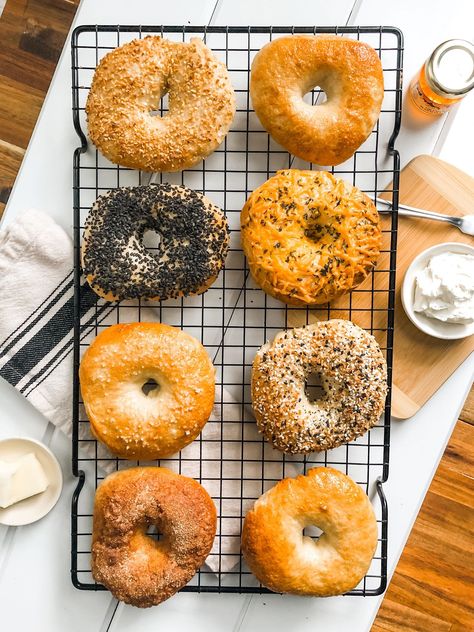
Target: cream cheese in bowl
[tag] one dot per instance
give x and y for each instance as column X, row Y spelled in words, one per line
column 437, row 292
column 444, row 288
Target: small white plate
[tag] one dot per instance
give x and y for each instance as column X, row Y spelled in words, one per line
column 31, row 509
column 432, row 326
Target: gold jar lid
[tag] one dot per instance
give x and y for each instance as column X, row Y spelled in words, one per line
column 450, row 69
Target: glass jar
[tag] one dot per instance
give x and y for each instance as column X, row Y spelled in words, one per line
column 445, row 78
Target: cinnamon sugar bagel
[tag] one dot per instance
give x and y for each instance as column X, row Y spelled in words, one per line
column 349, row 72
column 353, row 374
column 309, row 236
column 134, row 423
column 284, row 560
column 125, row 94
column 134, row 567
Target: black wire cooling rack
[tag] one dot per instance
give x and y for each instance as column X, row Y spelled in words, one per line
column 234, row 317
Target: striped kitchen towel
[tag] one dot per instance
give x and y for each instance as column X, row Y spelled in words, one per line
column 36, row 313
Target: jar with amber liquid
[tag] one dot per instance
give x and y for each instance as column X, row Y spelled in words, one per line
column 445, row 78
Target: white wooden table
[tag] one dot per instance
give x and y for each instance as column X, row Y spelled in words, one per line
column 35, row 588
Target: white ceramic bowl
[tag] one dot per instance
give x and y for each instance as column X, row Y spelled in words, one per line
column 31, row 509
column 432, row 326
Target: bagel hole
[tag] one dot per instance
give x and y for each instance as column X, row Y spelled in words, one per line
column 313, row 387
column 153, row 532
column 151, row 240
column 161, row 109
column 313, row 532
column 316, row 96
column 149, row 386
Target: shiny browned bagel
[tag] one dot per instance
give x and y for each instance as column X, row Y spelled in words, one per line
column 284, row 560
column 349, row 72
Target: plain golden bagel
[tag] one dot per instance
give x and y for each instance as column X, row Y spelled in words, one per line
column 353, row 374
column 125, row 93
column 134, row 423
column 309, row 236
column 284, row 560
column 135, row 568
column 349, row 72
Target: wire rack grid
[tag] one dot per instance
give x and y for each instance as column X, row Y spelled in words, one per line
column 234, row 317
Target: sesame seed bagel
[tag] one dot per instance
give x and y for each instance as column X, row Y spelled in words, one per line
column 349, row 72
column 284, row 560
column 192, row 250
column 135, row 424
column 125, row 94
column 309, row 236
column 353, row 375
column 134, row 567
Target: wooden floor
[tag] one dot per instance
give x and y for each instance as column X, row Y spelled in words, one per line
column 433, row 587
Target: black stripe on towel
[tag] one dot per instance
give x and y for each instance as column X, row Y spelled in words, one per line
column 44, row 341
column 56, row 360
column 23, row 329
column 35, row 311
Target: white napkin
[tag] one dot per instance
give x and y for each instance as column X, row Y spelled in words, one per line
column 36, row 339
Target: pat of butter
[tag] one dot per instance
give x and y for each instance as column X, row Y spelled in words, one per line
column 21, row 479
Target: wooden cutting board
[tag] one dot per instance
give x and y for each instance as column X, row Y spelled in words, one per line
column 421, row 363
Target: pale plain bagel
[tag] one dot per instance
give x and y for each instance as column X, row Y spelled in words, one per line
column 284, row 560
column 134, row 424
column 349, row 72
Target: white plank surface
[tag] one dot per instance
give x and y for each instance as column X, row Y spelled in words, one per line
column 184, row 611
column 272, row 12
column 34, row 561
column 456, row 141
